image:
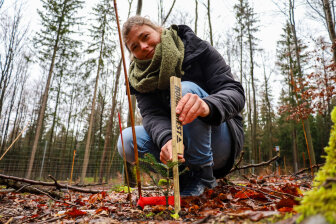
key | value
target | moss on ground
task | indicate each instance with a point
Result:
(322, 198)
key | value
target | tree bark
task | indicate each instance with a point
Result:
(45, 95)
(168, 14)
(88, 141)
(297, 53)
(52, 130)
(4, 142)
(108, 132)
(196, 16)
(331, 26)
(249, 119)
(295, 150)
(310, 142)
(209, 21)
(254, 124)
(139, 8)
(268, 118)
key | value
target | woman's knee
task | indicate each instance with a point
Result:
(191, 87)
(128, 144)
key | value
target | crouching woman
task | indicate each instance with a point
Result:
(209, 108)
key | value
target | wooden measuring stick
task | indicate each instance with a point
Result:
(177, 136)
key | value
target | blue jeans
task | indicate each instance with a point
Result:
(203, 143)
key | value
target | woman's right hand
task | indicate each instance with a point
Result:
(190, 107)
(166, 153)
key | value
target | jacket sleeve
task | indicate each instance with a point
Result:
(226, 96)
(156, 118)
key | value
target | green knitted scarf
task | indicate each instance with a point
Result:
(149, 75)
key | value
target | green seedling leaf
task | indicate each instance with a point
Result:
(163, 182)
(175, 216)
(122, 189)
(151, 214)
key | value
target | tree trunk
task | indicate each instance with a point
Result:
(52, 129)
(7, 67)
(139, 8)
(295, 150)
(268, 119)
(4, 142)
(297, 53)
(88, 141)
(19, 105)
(110, 124)
(45, 96)
(168, 14)
(254, 125)
(209, 21)
(249, 118)
(331, 26)
(196, 16)
(310, 142)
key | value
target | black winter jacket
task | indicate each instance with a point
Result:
(204, 66)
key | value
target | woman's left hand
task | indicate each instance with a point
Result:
(190, 107)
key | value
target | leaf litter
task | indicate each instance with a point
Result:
(249, 200)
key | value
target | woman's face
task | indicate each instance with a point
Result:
(142, 40)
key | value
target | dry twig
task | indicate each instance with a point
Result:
(55, 184)
(254, 165)
(307, 169)
(54, 199)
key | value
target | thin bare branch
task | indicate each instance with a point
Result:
(306, 169)
(55, 184)
(255, 165)
(168, 14)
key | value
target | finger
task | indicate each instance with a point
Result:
(169, 151)
(182, 102)
(180, 158)
(193, 112)
(165, 154)
(187, 106)
(162, 158)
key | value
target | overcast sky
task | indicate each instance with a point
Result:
(271, 20)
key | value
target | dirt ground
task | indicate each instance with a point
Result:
(262, 199)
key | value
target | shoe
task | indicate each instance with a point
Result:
(194, 181)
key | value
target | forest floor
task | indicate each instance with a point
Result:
(262, 199)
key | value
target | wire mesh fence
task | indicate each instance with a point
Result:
(63, 162)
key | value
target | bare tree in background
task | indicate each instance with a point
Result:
(325, 10)
(12, 38)
(169, 12)
(108, 133)
(13, 68)
(207, 6)
(330, 20)
(102, 44)
(240, 29)
(57, 22)
(252, 29)
(298, 61)
(196, 16)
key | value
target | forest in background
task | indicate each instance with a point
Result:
(69, 114)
